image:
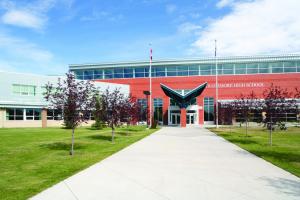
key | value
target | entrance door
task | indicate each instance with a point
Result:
(190, 118)
(175, 118)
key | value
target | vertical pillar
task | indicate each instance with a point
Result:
(201, 116)
(2, 117)
(44, 118)
(183, 117)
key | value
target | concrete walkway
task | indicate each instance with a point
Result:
(175, 163)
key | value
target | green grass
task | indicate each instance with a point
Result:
(284, 153)
(32, 159)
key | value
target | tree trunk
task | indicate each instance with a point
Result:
(246, 127)
(271, 129)
(113, 134)
(72, 146)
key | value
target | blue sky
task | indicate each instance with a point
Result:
(44, 36)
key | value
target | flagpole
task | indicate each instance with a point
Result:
(150, 86)
(217, 87)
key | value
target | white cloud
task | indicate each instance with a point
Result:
(224, 3)
(31, 15)
(257, 27)
(24, 49)
(188, 27)
(23, 18)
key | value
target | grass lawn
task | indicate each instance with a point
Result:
(32, 159)
(285, 151)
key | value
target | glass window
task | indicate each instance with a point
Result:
(78, 74)
(182, 71)
(277, 67)
(194, 70)
(119, 73)
(263, 68)
(14, 114)
(227, 68)
(220, 68)
(158, 71)
(98, 74)
(158, 109)
(88, 74)
(209, 109)
(298, 66)
(143, 109)
(206, 70)
(240, 68)
(108, 74)
(252, 68)
(290, 66)
(171, 71)
(37, 114)
(29, 114)
(128, 72)
(26, 90)
(139, 72)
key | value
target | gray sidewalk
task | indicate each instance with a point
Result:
(178, 163)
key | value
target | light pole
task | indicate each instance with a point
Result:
(150, 86)
(217, 92)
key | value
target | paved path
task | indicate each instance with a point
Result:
(176, 163)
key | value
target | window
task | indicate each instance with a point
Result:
(98, 74)
(158, 109)
(54, 115)
(88, 74)
(171, 71)
(290, 66)
(194, 70)
(14, 114)
(78, 74)
(143, 109)
(263, 68)
(33, 114)
(252, 68)
(119, 73)
(209, 109)
(182, 71)
(228, 68)
(26, 90)
(207, 69)
(240, 68)
(141, 72)
(277, 67)
(108, 74)
(158, 71)
(128, 72)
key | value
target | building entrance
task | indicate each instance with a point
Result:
(175, 118)
(191, 117)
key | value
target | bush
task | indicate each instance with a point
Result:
(154, 124)
(97, 125)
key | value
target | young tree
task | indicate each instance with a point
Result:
(112, 104)
(130, 110)
(98, 113)
(245, 105)
(74, 98)
(276, 103)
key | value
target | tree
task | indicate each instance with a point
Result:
(112, 105)
(98, 113)
(276, 102)
(74, 98)
(130, 110)
(245, 105)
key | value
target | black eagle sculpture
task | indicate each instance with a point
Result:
(183, 100)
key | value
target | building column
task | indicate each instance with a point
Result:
(2, 117)
(183, 117)
(201, 116)
(44, 118)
